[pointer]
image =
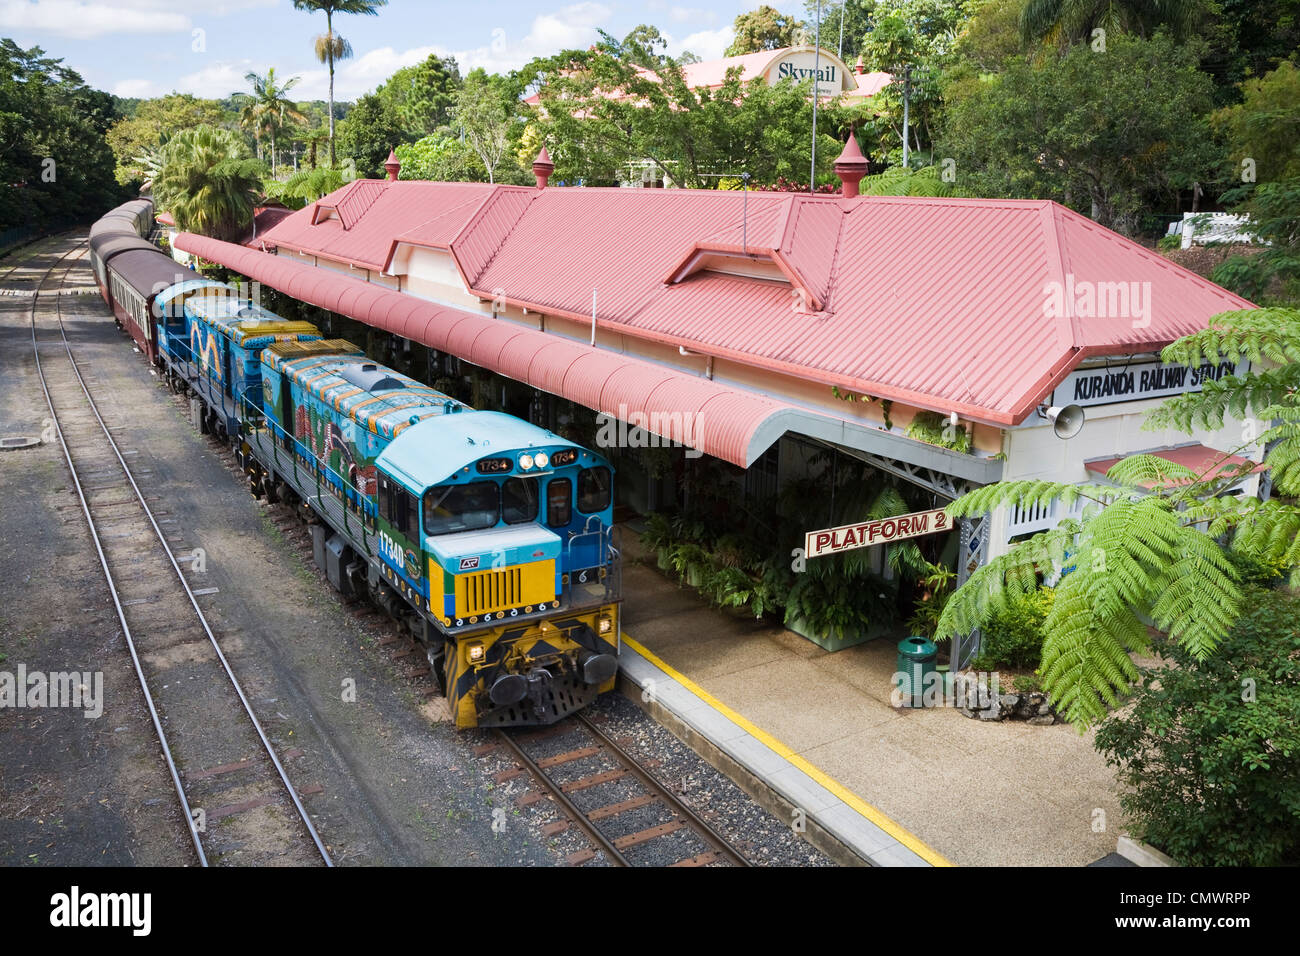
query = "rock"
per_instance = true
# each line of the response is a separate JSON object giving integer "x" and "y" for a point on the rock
{"x": 1046, "y": 721}
{"x": 1010, "y": 700}
{"x": 993, "y": 713}
{"x": 1044, "y": 709}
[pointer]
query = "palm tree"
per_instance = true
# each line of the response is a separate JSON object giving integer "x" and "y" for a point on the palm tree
{"x": 269, "y": 107}
{"x": 1075, "y": 19}
{"x": 208, "y": 181}
{"x": 329, "y": 45}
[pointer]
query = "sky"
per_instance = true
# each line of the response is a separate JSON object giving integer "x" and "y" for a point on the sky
{"x": 143, "y": 48}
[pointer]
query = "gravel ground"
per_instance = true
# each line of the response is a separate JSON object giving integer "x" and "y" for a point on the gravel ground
{"x": 762, "y": 838}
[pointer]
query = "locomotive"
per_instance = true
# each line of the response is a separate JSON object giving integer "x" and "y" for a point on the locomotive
{"x": 490, "y": 538}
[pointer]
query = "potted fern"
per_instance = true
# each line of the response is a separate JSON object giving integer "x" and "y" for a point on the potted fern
{"x": 658, "y": 537}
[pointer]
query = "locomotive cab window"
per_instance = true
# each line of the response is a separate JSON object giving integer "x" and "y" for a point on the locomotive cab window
{"x": 593, "y": 489}
{"x": 519, "y": 500}
{"x": 452, "y": 508}
{"x": 398, "y": 507}
{"x": 558, "y": 495}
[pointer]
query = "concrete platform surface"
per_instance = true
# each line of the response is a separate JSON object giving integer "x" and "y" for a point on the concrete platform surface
{"x": 903, "y": 787}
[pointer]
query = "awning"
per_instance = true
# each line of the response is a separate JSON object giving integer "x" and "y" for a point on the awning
{"x": 1205, "y": 461}
{"x": 727, "y": 423}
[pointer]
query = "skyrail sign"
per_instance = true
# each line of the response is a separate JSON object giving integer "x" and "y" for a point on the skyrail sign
{"x": 867, "y": 533}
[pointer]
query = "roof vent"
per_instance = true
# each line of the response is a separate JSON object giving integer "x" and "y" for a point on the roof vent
{"x": 851, "y": 166}
{"x": 370, "y": 377}
{"x": 542, "y": 168}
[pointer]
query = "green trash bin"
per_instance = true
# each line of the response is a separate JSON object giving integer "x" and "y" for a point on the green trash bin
{"x": 916, "y": 660}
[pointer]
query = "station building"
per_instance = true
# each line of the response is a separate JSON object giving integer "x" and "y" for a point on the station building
{"x": 739, "y": 324}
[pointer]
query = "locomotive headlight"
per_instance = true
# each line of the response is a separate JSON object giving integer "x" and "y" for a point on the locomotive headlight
{"x": 606, "y": 625}
{"x": 476, "y": 652}
{"x": 541, "y": 459}
{"x": 525, "y": 462}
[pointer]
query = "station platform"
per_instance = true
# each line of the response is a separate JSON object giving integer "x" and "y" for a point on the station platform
{"x": 894, "y": 787}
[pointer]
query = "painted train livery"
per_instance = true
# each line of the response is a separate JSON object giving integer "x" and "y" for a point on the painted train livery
{"x": 490, "y": 538}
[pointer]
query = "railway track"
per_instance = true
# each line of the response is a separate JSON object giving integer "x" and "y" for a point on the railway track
{"x": 628, "y": 816}
{"x": 237, "y": 798}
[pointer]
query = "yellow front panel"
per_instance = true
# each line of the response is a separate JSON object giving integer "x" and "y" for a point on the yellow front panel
{"x": 486, "y": 592}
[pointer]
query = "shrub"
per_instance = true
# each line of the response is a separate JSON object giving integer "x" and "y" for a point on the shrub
{"x": 1256, "y": 571}
{"x": 1209, "y": 753}
{"x": 1013, "y": 637}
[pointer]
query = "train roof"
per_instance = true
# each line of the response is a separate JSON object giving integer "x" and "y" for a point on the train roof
{"x": 113, "y": 244}
{"x": 435, "y": 450}
{"x": 189, "y": 287}
{"x": 381, "y": 400}
{"x": 112, "y": 225}
{"x": 150, "y": 271}
{"x": 244, "y": 321}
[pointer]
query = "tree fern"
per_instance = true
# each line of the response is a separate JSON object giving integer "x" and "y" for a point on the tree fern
{"x": 1152, "y": 549}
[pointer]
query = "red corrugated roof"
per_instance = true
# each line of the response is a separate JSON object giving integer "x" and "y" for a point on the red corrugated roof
{"x": 726, "y": 419}
{"x": 937, "y": 303}
{"x": 373, "y": 213}
{"x": 1205, "y": 461}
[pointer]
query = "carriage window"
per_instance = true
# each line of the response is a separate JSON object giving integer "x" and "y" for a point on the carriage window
{"x": 397, "y": 507}
{"x": 593, "y": 490}
{"x": 558, "y": 495}
{"x": 519, "y": 500}
{"x": 453, "y": 508}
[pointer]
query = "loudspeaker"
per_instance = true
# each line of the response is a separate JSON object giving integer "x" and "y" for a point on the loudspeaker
{"x": 1066, "y": 422}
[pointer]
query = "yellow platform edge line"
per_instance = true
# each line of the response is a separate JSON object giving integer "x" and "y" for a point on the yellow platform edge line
{"x": 898, "y": 832}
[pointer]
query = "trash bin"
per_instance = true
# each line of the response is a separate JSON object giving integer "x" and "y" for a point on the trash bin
{"x": 916, "y": 660}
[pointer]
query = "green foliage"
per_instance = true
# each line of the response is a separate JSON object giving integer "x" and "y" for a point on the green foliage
{"x": 1013, "y": 636}
{"x": 1271, "y": 276}
{"x": 269, "y": 111}
{"x": 368, "y": 134}
{"x": 938, "y": 430}
{"x": 308, "y": 185}
{"x": 152, "y": 124}
{"x": 54, "y": 162}
{"x": 692, "y": 136}
{"x": 763, "y": 29}
{"x": 905, "y": 181}
{"x": 1265, "y": 125}
{"x": 1209, "y": 752}
{"x": 440, "y": 158}
{"x": 422, "y": 96}
{"x": 209, "y": 182}
{"x": 487, "y": 113}
{"x": 1075, "y": 20}
{"x": 1152, "y": 547}
{"x": 1168, "y": 242}
{"x": 1035, "y": 130}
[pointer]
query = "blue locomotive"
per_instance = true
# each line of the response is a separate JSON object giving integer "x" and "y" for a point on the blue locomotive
{"x": 490, "y": 538}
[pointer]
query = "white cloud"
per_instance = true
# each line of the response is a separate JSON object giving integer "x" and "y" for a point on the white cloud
{"x": 219, "y": 80}
{"x": 70, "y": 18}
{"x": 706, "y": 44}
{"x": 86, "y": 19}
{"x": 144, "y": 89}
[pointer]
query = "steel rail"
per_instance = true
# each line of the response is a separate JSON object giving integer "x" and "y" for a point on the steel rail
{"x": 202, "y": 618}
{"x": 692, "y": 819}
{"x": 571, "y": 810}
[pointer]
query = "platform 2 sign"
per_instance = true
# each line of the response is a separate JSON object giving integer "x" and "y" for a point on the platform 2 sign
{"x": 867, "y": 533}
